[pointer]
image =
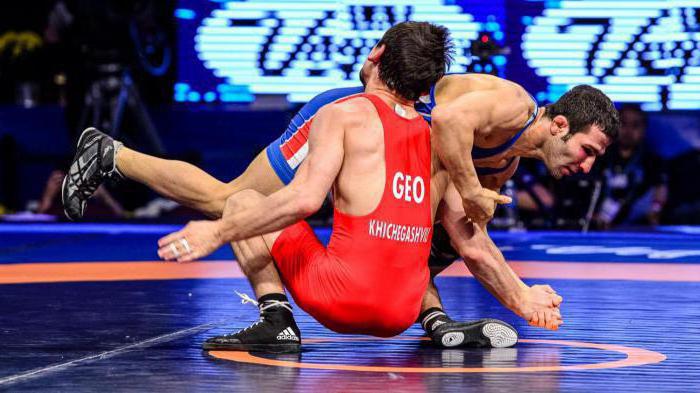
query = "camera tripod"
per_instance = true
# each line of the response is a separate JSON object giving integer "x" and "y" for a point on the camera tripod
{"x": 106, "y": 101}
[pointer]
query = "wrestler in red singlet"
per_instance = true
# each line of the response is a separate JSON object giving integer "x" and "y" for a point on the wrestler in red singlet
{"x": 372, "y": 277}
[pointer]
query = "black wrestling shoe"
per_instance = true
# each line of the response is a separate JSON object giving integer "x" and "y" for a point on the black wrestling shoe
{"x": 483, "y": 333}
{"x": 275, "y": 332}
{"x": 92, "y": 164}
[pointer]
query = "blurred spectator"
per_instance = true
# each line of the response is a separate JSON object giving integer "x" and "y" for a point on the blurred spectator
{"x": 535, "y": 201}
{"x": 635, "y": 181}
{"x": 627, "y": 186}
{"x": 51, "y": 200}
{"x": 574, "y": 197}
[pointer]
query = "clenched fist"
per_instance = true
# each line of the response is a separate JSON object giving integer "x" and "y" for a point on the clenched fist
{"x": 480, "y": 204}
{"x": 540, "y": 307}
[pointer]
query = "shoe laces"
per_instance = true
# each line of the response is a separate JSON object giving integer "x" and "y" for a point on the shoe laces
{"x": 245, "y": 299}
{"x": 88, "y": 187}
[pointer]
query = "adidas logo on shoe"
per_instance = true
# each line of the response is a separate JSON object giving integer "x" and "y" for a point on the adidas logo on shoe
{"x": 287, "y": 334}
{"x": 436, "y": 324}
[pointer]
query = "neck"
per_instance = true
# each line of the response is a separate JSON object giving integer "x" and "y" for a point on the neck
{"x": 378, "y": 88}
{"x": 531, "y": 143}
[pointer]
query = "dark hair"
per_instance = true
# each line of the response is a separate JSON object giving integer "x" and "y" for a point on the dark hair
{"x": 416, "y": 55}
{"x": 584, "y": 106}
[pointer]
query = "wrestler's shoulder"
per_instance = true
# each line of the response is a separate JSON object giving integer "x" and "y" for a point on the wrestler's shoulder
{"x": 455, "y": 85}
{"x": 353, "y": 111}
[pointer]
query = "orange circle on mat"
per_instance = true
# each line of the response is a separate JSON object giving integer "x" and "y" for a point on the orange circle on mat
{"x": 634, "y": 357}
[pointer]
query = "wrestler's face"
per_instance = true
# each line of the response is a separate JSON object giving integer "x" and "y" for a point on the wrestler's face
{"x": 568, "y": 154}
{"x": 371, "y": 64}
{"x": 364, "y": 73}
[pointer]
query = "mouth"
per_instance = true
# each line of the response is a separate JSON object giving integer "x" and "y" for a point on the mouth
{"x": 565, "y": 171}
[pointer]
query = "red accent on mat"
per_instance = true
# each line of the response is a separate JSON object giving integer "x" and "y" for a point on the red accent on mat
{"x": 596, "y": 271}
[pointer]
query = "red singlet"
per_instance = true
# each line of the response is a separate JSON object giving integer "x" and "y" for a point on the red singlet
{"x": 372, "y": 277}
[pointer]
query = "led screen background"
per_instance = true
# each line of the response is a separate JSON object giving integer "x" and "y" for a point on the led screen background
{"x": 230, "y": 50}
{"x": 636, "y": 51}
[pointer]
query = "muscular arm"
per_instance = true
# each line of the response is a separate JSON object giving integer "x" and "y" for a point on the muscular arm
{"x": 484, "y": 260}
{"x": 455, "y": 125}
{"x": 305, "y": 194}
{"x": 537, "y": 304}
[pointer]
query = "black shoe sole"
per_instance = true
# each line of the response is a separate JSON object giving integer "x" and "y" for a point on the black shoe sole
{"x": 268, "y": 348}
{"x": 63, "y": 198}
{"x": 65, "y": 179}
{"x": 489, "y": 333}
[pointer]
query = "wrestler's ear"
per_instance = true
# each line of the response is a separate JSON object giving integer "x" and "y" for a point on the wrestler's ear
{"x": 376, "y": 53}
{"x": 559, "y": 126}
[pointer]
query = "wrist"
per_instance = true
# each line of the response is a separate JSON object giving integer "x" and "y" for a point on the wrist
{"x": 468, "y": 186}
{"x": 220, "y": 232}
{"x": 519, "y": 300}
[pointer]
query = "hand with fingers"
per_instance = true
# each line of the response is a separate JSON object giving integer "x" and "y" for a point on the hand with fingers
{"x": 196, "y": 240}
{"x": 480, "y": 204}
{"x": 540, "y": 306}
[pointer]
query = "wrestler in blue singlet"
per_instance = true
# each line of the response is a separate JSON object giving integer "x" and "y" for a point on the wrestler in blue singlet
{"x": 289, "y": 150}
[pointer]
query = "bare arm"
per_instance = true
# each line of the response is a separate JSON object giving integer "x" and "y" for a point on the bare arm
{"x": 455, "y": 125}
{"x": 305, "y": 194}
{"x": 537, "y": 304}
{"x": 481, "y": 256}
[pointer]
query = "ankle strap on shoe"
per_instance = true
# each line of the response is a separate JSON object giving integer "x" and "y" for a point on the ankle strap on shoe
{"x": 266, "y": 304}
{"x": 430, "y": 317}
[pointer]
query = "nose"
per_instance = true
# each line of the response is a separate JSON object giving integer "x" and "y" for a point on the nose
{"x": 586, "y": 165}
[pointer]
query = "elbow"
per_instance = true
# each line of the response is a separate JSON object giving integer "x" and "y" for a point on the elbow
{"x": 307, "y": 205}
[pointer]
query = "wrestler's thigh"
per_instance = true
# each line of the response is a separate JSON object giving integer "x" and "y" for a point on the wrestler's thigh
{"x": 258, "y": 176}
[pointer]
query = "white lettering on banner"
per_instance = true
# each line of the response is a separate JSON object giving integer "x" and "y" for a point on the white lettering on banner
{"x": 408, "y": 188}
{"x": 398, "y": 232}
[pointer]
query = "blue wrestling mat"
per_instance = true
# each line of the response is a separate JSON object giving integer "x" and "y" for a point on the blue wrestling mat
{"x": 88, "y": 307}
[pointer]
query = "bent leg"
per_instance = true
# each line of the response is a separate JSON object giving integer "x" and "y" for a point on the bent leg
{"x": 443, "y": 330}
{"x": 253, "y": 255}
{"x": 431, "y": 298}
{"x": 276, "y": 331}
{"x": 191, "y": 186}
{"x": 442, "y": 254}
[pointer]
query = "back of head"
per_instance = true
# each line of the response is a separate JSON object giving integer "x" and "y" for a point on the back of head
{"x": 416, "y": 55}
{"x": 584, "y": 106}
